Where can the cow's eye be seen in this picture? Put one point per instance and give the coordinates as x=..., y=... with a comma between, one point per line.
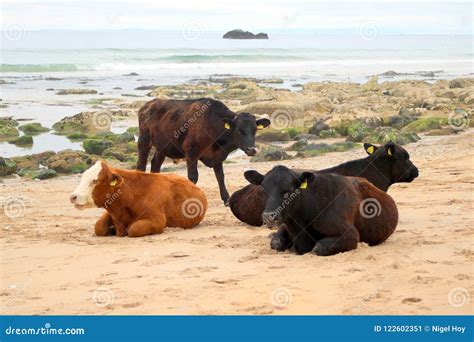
x=95, y=181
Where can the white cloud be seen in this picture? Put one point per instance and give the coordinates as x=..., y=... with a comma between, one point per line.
x=422, y=16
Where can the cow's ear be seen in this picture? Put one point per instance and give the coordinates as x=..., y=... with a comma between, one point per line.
x=115, y=179
x=254, y=177
x=390, y=148
x=369, y=148
x=228, y=123
x=262, y=123
x=304, y=179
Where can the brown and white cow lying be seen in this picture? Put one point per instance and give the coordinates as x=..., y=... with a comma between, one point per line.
x=138, y=203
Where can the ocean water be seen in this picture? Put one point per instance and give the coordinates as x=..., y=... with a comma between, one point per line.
x=37, y=63
x=188, y=54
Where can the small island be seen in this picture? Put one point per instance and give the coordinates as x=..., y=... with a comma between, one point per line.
x=241, y=34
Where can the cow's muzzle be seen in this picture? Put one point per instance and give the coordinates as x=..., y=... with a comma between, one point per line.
x=250, y=151
x=270, y=219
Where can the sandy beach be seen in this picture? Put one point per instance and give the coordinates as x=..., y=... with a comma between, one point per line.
x=53, y=264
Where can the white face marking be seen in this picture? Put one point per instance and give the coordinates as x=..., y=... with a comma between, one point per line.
x=82, y=196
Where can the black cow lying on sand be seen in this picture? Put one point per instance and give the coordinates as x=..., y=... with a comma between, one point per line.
x=326, y=213
x=380, y=168
x=384, y=166
x=203, y=129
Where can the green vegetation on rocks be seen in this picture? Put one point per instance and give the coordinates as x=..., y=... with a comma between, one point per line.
x=69, y=161
x=79, y=91
x=328, y=133
x=44, y=174
x=77, y=136
x=312, y=150
x=383, y=135
x=23, y=141
x=8, y=128
x=33, y=128
x=95, y=146
x=7, y=167
x=8, y=132
x=357, y=130
x=132, y=130
x=293, y=131
x=426, y=124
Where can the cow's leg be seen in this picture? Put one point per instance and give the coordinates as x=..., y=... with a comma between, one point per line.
x=281, y=239
x=191, y=155
x=301, y=239
x=144, y=148
x=219, y=172
x=157, y=161
x=343, y=242
x=102, y=226
x=144, y=227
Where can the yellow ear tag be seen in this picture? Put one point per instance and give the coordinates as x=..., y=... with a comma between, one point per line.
x=113, y=183
x=304, y=185
x=226, y=126
x=389, y=151
x=370, y=150
x=260, y=127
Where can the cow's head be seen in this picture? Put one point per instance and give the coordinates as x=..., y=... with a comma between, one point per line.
x=281, y=185
x=243, y=128
x=394, y=162
x=98, y=184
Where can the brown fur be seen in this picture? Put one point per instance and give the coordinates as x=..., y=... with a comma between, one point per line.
x=143, y=204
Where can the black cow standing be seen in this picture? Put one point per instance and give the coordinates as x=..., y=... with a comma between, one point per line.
x=202, y=129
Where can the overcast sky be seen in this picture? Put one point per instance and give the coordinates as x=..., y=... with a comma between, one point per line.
x=257, y=15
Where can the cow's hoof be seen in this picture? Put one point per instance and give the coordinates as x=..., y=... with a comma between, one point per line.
x=321, y=250
x=277, y=244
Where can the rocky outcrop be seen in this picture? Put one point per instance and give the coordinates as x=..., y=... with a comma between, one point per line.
x=8, y=128
x=383, y=135
x=33, y=128
x=85, y=122
x=7, y=167
x=79, y=91
x=241, y=34
x=271, y=153
x=23, y=141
